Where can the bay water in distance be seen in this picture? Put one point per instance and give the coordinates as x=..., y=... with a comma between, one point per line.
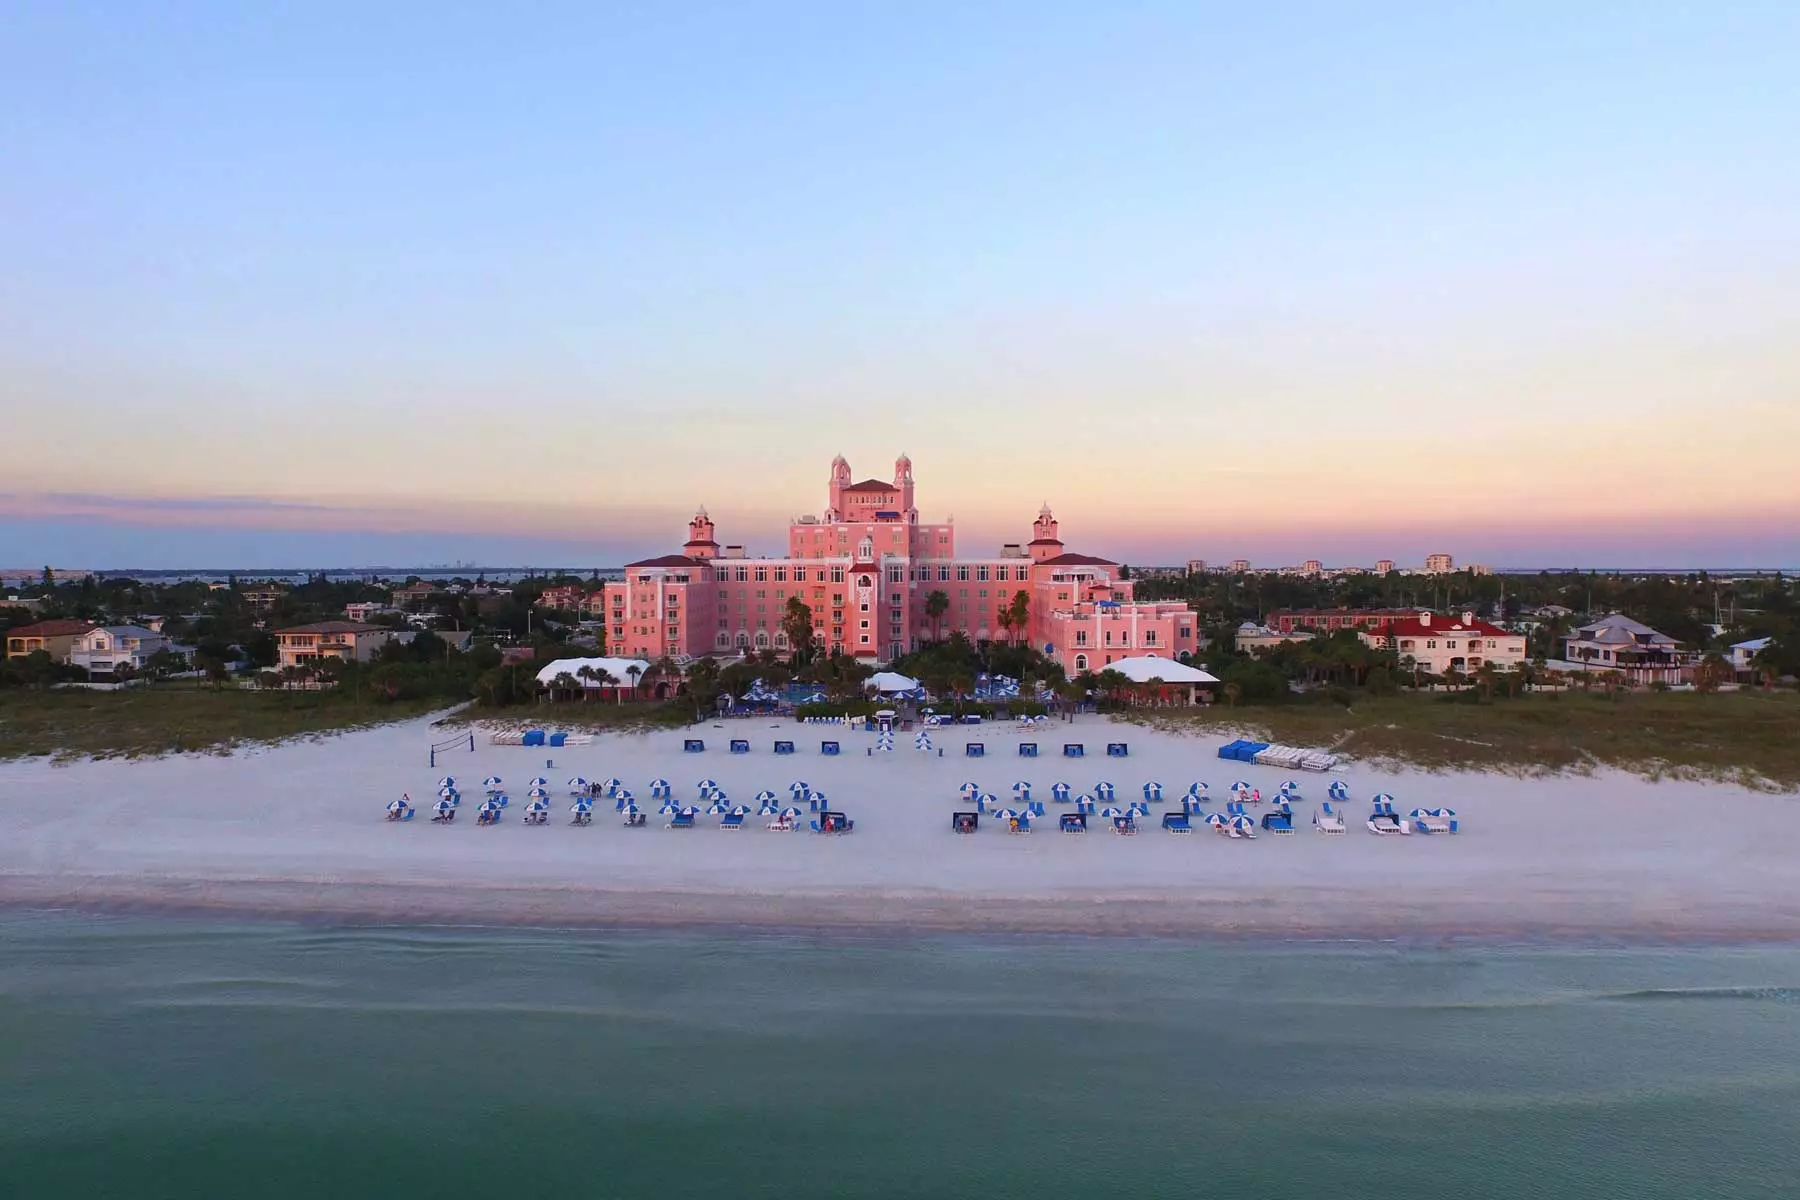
x=148, y=1057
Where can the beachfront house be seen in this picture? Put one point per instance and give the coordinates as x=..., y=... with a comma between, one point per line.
x=103, y=650
x=351, y=641
x=1742, y=657
x=58, y=639
x=1618, y=643
x=1438, y=644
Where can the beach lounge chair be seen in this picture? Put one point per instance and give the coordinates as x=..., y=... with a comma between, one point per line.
x=1328, y=819
x=732, y=820
x=1125, y=825
x=1176, y=823
x=965, y=822
x=1027, y=749
x=1385, y=820
x=1072, y=822
x=832, y=822
x=1117, y=749
x=681, y=820
x=784, y=747
x=1074, y=750
x=1281, y=820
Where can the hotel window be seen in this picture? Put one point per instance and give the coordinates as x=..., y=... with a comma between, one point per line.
x=962, y=594
x=1184, y=633
x=862, y=608
x=1431, y=645
x=984, y=594
x=1450, y=645
x=1109, y=637
x=981, y=573
x=943, y=574
x=837, y=574
x=862, y=624
x=1081, y=637
x=799, y=574
x=780, y=574
x=1149, y=637
x=741, y=574
x=894, y=575
x=962, y=573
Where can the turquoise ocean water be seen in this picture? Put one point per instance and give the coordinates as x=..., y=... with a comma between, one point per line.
x=144, y=1057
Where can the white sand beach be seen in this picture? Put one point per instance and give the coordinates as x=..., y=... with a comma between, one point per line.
x=298, y=829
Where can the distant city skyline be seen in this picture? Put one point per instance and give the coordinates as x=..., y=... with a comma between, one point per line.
x=337, y=285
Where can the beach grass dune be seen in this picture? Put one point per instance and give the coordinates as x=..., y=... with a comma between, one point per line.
x=298, y=829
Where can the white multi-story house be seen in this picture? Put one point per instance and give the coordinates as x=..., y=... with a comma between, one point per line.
x=1742, y=657
x=103, y=650
x=1438, y=644
x=1439, y=564
x=1632, y=648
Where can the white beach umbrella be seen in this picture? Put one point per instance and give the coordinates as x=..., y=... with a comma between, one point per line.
x=1240, y=786
x=540, y=781
x=447, y=782
x=493, y=783
x=970, y=790
x=1023, y=788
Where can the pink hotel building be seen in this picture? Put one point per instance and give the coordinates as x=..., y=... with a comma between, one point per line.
x=866, y=568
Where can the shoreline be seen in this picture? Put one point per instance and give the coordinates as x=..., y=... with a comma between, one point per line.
x=1324, y=916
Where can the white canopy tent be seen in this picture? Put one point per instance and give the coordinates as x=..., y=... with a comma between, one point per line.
x=619, y=668
x=1145, y=667
x=888, y=682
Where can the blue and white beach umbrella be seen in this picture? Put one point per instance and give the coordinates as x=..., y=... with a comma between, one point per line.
x=1109, y=812
x=765, y=797
x=492, y=783
x=1216, y=820
x=1153, y=792
x=1240, y=786
x=768, y=808
x=970, y=790
x=445, y=807
x=1035, y=808
x=799, y=788
x=1084, y=804
x=1023, y=789
x=448, y=793
x=630, y=810
x=1339, y=790
x=1104, y=790
x=398, y=806
x=739, y=810
x=707, y=787
x=692, y=810
x=790, y=812
x=610, y=787
x=668, y=807
x=1380, y=798
x=1442, y=812
x=1242, y=823
x=499, y=800
x=583, y=805
x=717, y=808
x=1138, y=808
x=1197, y=788
x=658, y=788
x=984, y=800
x=818, y=800
x=1290, y=787
x=1059, y=792
x=540, y=781
x=539, y=805
x=578, y=784
x=446, y=782
x=1005, y=814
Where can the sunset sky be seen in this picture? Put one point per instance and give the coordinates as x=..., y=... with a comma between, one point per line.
x=349, y=284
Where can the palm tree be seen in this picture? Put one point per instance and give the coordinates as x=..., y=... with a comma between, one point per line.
x=1233, y=692
x=1004, y=619
x=1020, y=608
x=1486, y=678
x=936, y=605
x=634, y=671
x=564, y=682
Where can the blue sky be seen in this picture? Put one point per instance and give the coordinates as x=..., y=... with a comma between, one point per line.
x=358, y=282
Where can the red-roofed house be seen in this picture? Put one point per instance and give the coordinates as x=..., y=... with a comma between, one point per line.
x=1437, y=643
